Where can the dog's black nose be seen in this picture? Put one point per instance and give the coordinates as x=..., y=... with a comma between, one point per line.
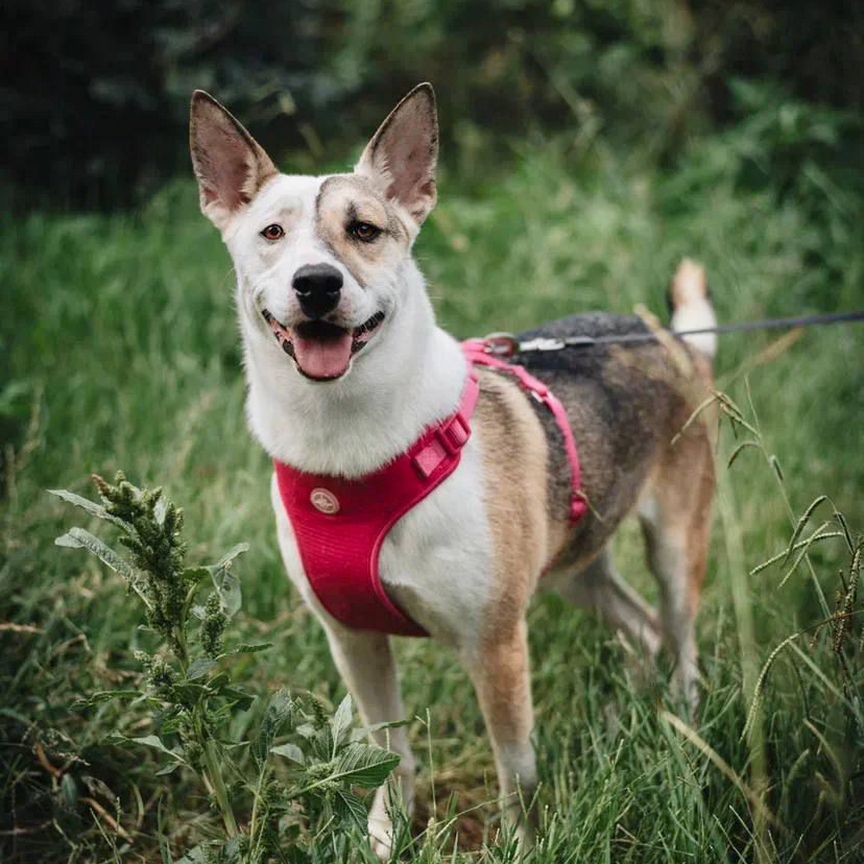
x=318, y=287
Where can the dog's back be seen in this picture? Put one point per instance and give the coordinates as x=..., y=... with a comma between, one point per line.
x=625, y=401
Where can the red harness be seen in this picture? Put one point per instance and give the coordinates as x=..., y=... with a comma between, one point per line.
x=340, y=525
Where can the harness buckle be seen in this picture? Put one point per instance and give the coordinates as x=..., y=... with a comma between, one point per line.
x=454, y=435
x=500, y=344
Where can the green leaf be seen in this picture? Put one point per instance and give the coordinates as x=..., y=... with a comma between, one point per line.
x=279, y=709
x=321, y=744
x=349, y=807
x=240, y=697
x=69, y=790
x=225, y=562
x=156, y=743
x=201, y=854
x=232, y=852
x=78, y=538
x=247, y=649
x=290, y=751
x=101, y=696
x=195, y=575
x=364, y=732
x=165, y=850
x=307, y=730
x=91, y=507
x=164, y=847
x=365, y=765
x=341, y=721
x=226, y=583
x=200, y=667
x=160, y=508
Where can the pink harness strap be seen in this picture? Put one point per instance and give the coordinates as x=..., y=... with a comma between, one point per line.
x=340, y=524
x=476, y=350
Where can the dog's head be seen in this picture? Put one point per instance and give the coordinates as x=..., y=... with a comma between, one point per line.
x=319, y=260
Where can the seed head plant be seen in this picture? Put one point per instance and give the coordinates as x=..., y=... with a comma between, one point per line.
x=278, y=791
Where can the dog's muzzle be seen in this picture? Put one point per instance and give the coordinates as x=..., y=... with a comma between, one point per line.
x=321, y=350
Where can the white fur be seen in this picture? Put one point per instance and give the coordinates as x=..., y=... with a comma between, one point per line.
x=692, y=309
x=697, y=314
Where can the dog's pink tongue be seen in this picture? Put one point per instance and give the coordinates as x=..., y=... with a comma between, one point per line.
x=320, y=358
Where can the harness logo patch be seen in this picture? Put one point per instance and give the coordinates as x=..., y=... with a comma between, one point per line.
x=324, y=501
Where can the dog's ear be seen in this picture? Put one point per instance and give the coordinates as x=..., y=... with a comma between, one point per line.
x=402, y=156
x=229, y=163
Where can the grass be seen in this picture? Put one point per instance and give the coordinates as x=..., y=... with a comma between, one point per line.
x=120, y=350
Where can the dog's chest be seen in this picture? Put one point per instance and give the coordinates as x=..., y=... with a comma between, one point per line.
x=436, y=561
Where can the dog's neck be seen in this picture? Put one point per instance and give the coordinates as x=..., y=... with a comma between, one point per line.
x=412, y=379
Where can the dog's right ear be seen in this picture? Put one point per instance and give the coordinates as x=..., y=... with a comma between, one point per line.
x=229, y=163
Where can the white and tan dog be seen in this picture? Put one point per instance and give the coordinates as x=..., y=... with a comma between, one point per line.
x=361, y=370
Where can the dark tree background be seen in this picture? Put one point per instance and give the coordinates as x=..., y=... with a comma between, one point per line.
x=94, y=94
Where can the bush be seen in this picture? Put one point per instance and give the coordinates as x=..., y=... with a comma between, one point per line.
x=97, y=94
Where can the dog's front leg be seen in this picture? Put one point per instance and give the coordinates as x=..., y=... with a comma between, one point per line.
x=500, y=670
x=368, y=668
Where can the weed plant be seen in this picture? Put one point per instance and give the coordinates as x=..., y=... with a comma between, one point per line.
x=188, y=693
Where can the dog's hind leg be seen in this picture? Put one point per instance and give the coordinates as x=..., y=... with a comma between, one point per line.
x=500, y=671
x=675, y=515
x=675, y=510
x=599, y=587
x=366, y=663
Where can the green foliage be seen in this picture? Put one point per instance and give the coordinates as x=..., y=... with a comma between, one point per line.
x=97, y=103
x=192, y=700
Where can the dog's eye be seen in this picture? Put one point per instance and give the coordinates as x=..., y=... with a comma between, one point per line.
x=273, y=232
x=363, y=231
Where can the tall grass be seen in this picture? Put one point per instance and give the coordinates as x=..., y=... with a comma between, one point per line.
x=120, y=349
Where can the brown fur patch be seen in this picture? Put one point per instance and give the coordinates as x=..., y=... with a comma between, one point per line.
x=503, y=682
x=689, y=284
x=683, y=488
x=515, y=468
x=347, y=198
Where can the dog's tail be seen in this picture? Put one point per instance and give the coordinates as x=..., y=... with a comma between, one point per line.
x=690, y=302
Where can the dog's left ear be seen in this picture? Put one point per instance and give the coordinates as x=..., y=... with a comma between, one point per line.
x=402, y=156
x=230, y=165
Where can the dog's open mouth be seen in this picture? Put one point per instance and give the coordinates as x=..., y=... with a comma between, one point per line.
x=322, y=351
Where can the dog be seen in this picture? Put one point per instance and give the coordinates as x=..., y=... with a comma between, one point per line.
x=346, y=370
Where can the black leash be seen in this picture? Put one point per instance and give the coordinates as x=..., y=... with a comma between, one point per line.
x=506, y=344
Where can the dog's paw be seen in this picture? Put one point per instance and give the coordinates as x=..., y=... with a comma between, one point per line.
x=381, y=836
